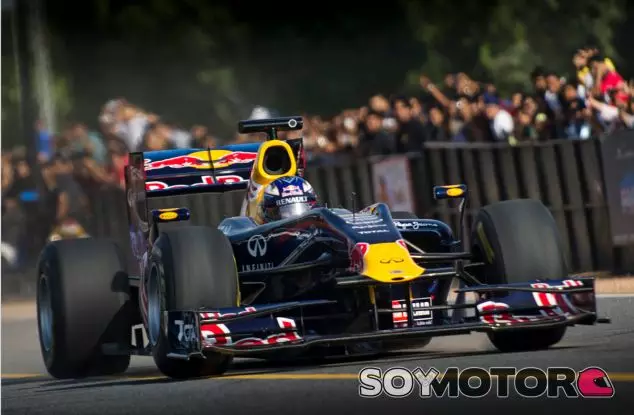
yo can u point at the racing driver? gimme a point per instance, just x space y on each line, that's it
286 197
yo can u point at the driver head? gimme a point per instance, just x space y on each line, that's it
287 197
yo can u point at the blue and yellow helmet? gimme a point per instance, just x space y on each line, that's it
287 197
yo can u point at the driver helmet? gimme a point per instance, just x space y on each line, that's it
287 197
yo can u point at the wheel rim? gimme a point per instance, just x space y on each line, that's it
45 313
154 306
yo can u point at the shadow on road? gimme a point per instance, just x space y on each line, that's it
147 376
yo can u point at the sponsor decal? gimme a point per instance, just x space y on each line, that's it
545 300
200 160
216 315
370 219
368 226
414 225
357 253
292 190
302 231
366 222
564 284
391 260
216 334
256 245
477 382
556 303
270 340
220 334
186 333
257 267
492 312
420 316
360 218
290 200
205 181
168 216
548 304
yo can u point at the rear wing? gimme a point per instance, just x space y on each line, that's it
196 170
153 174
185 171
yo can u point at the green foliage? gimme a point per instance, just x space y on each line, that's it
10 103
510 37
63 97
196 61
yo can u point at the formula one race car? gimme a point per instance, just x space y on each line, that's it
321 281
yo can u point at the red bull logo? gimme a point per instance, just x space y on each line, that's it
151 186
357 254
200 160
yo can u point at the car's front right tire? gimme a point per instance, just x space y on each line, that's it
518 241
82 304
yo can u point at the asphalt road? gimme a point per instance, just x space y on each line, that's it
259 387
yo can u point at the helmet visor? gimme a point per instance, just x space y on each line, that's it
293 209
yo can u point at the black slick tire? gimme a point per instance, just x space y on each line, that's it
82 304
518 241
195 268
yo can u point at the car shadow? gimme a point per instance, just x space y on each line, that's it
244 367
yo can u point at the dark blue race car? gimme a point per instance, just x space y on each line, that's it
291 277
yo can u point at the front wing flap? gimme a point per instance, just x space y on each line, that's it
253 330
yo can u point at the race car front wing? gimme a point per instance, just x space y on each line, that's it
244 331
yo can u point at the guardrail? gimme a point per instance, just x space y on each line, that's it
566 175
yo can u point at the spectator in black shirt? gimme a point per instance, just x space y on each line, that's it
374 139
22 203
435 125
71 200
576 115
449 87
539 80
410 134
23 186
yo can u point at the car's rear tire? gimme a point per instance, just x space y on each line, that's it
194 267
518 241
83 303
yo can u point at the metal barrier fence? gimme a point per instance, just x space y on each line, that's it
565 175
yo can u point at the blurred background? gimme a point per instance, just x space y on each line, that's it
85 82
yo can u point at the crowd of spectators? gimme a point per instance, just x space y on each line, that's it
595 101
75 164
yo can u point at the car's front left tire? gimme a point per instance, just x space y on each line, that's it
190 268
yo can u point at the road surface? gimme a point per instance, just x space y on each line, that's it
263 388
